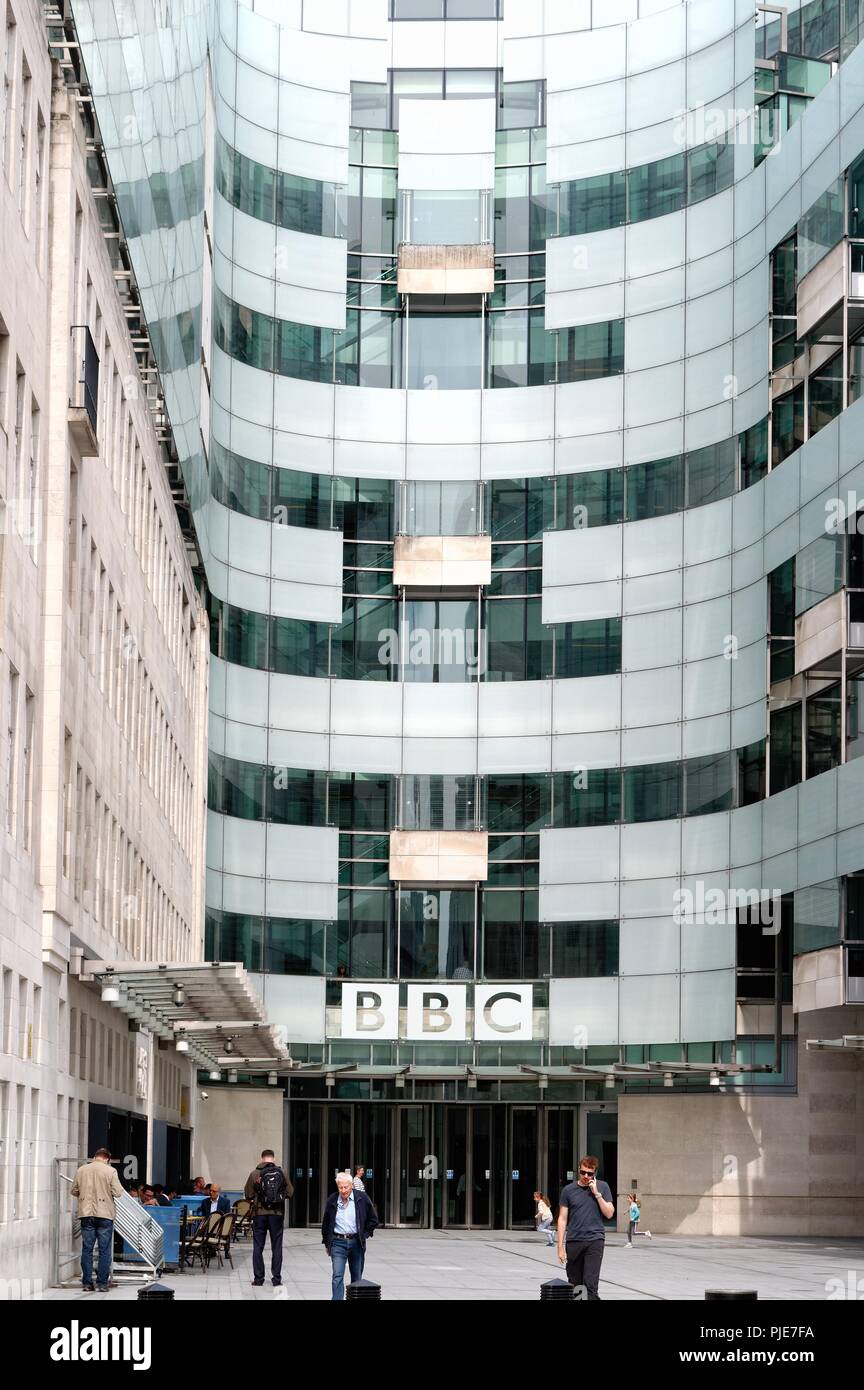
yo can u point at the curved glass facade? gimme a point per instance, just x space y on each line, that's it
597 624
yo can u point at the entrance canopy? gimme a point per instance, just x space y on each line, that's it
208 1009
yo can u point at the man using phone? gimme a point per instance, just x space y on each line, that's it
582 1208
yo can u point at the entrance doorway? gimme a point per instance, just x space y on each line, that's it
437 1165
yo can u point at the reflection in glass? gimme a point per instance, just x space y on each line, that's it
436 933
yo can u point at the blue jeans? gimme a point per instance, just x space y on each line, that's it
344 1252
548 1228
93 1229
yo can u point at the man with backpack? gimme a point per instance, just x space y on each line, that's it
267 1189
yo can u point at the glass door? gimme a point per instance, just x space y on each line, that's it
523 1166
561 1146
414 1165
467 1166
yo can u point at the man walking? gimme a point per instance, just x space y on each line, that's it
583 1206
349 1221
267 1188
96 1185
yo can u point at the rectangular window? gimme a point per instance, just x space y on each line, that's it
28 755
591 648
436 932
593 204
584 949
785 748
653 792
12 751
4 375
24 141
591 350
655 488
438 803
656 189
7 115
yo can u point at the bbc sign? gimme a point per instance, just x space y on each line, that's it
501 1012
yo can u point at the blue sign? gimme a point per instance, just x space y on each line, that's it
515 1174
369 1172
449 1174
298 1172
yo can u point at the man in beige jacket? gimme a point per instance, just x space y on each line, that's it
96 1185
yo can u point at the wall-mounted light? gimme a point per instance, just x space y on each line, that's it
229 1047
215 1076
110 994
400 1083
232 1078
181 1045
610 1080
668 1079
714 1079
471 1083
272 1078
179 997
329 1079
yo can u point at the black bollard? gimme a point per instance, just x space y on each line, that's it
748 1295
363 1288
555 1289
154 1292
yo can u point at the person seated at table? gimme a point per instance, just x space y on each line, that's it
159 1193
198 1187
148 1197
134 1192
216 1202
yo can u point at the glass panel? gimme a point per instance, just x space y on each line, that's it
785 748
710 784
754 453
816 916
655 488
587 798
369 104
711 473
710 169
293 947
469 82
820 228
589 499
593 204
446 219
653 792
584 949
440 640
441 509
436 933
826 393
591 350
481 1165
590 648
521 104
438 803
456 1165
823 730
818 571
656 189
365 918
444 351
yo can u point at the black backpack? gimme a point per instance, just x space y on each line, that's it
272 1186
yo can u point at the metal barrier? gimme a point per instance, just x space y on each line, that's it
132 1222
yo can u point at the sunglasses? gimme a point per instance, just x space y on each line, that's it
586 1172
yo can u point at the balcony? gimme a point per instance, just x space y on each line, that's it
829 630
84 399
442 562
439 856
445 270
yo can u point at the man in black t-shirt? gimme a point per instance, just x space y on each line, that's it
582 1207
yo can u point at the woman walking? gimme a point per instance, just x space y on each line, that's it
543 1217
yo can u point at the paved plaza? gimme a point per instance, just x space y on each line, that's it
510 1265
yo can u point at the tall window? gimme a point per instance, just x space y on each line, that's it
7 113
33 516
11 750
24 138
27 771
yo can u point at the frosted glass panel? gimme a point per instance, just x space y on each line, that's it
649 1009
589 1006
586 706
708 1006
649 946
651 639
243 847
306 853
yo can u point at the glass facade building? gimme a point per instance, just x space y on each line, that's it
512 385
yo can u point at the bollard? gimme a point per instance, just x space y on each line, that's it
154 1292
363 1288
748 1295
555 1289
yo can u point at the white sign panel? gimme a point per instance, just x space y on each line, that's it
370 1011
503 1013
436 1011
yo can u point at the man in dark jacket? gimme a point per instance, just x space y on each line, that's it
349 1221
216 1202
267 1188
